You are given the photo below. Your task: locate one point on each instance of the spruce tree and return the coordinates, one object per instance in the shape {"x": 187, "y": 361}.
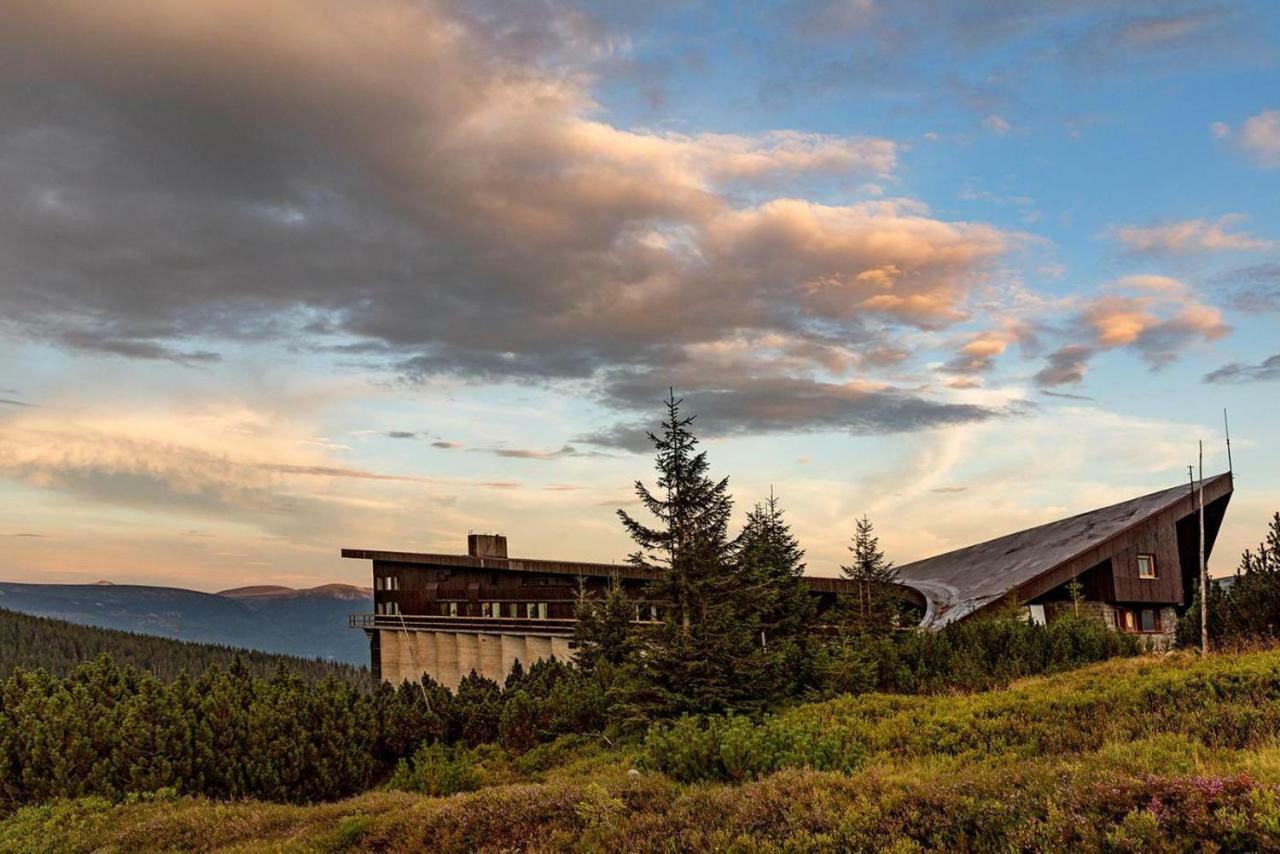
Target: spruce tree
{"x": 771, "y": 565}
{"x": 873, "y": 607}
{"x": 603, "y": 630}
{"x": 697, "y": 657}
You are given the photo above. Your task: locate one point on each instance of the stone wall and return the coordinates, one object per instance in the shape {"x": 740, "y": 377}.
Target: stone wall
{"x": 1092, "y": 610}
{"x": 447, "y": 657}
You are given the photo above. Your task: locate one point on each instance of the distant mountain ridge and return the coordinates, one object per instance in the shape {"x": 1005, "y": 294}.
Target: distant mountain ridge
{"x": 60, "y": 647}
{"x": 311, "y": 622}
{"x": 336, "y": 591}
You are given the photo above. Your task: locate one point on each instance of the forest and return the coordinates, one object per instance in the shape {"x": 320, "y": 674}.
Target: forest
{"x": 58, "y": 647}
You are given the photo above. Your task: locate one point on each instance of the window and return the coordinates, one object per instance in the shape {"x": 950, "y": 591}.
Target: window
{"x": 542, "y": 610}
{"x": 1146, "y": 566}
{"x": 377, "y": 582}
{"x": 1126, "y": 619}
{"x": 486, "y": 609}
{"x": 453, "y": 609}
{"x": 1150, "y": 622}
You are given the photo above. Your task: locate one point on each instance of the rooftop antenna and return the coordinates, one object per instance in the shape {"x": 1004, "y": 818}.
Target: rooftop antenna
{"x": 1204, "y": 567}
{"x": 1226, "y": 426}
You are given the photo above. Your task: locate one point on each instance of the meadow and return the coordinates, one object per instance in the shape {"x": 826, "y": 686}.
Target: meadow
{"x": 1168, "y": 753}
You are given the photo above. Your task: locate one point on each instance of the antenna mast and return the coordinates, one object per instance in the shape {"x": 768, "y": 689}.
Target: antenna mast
{"x": 1204, "y": 568}
{"x": 1226, "y": 426}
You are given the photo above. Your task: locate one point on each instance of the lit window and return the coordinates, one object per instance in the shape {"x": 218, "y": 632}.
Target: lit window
{"x": 1146, "y": 566}
{"x": 377, "y": 583}
{"x": 1127, "y": 620}
{"x": 542, "y": 610}
{"x": 453, "y": 609}
{"x": 1149, "y": 622}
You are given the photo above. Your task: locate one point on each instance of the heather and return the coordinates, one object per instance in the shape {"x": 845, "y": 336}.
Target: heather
{"x": 1139, "y": 754}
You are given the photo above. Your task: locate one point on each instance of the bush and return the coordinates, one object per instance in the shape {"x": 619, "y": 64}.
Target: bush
{"x": 1227, "y": 703}
{"x": 973, "y": 655}
{"x": 436, "y": 770}
{"x": 734, "y": 749}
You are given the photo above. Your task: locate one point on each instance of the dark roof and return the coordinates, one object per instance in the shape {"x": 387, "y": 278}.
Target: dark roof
{"x": 817, "y": 584}
{"x": 958, "y": 583}
{"x": 511, "y": 564}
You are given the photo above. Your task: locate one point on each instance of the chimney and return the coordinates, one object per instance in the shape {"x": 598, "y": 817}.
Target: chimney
{"x": 486, "y": 545}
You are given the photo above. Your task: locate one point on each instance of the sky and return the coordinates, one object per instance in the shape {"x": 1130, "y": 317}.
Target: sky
{"x": 279, "y": 277}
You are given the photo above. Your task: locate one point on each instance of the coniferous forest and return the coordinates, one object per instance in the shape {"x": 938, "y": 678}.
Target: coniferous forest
{"x": 58, "y": 646}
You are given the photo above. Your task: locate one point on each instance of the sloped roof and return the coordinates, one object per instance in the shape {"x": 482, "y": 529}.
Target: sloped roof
{"x": 961, "y": 582}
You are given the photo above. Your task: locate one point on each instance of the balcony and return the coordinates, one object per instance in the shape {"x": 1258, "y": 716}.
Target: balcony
{"x": 490, "y": 625}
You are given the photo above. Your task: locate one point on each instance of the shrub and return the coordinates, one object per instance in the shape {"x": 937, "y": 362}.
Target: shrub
{"x": 436, "y": 769}
{"x": 734, "y": 749}
{"x": 517, "y": 729}
{"x": 1232, "y": 703}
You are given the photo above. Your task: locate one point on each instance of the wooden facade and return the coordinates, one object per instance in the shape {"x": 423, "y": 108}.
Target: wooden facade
{"x": 446, "y": 614}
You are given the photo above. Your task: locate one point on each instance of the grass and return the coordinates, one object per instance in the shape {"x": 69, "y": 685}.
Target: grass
{"x": 1153, "y": 754}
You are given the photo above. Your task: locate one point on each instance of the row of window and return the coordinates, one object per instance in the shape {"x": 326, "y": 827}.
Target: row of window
{"x": 644, "y": 611}
{"x": 390, "y": 582}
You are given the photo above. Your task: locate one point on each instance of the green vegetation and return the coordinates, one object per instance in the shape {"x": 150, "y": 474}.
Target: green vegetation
{"x": 115, "y": 731}
{"x": 1248, "y": 611}
{"x": 873, "y": 608}
{"x": 59, "y": 647}
{"x": 1136, "y": 754}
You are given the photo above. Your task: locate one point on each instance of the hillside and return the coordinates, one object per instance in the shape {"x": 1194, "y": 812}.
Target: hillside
{"x": 58, "y": 646}
{"x": 1146, "y": 754}
{"x": 306, "y": 623}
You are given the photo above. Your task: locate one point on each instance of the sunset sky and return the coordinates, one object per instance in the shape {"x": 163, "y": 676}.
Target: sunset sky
{"x": 283, "y": 276}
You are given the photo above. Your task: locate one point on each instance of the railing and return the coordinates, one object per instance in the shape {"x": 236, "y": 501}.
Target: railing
{"x": 498, "y": 625}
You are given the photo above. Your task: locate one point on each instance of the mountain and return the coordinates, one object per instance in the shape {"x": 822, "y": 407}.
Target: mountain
{"x": 59, "y": 647}
{"x": 311, "y": 623}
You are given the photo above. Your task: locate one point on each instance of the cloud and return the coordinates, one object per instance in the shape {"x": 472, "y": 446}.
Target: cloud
{"x": 1253, "y": 289}
{"x": 1065, "y": 395}
{"x": 980, "y": 352}
{"x": 991, "y": 46}
{"x": 1259, "y": 137}
{"x": 1065, "y": 366}
{"x": 743, "y": 403}
{"x": 998, "y": 125}
{"x": 446, "y": 445}
{"x": 231, "y": 464}
{"x": 430, "y": 191}
{"x": 530, "y": 454}
{"x": 335, "y": 471}
{"x": 10, "y": 402}
{"x": 1220, "y": 130}
{"x": 1156, "y": 317}
{"x": 401, "y": 434}
{"x": 1189, "y": 236}
{"x": 1235, "y": 372}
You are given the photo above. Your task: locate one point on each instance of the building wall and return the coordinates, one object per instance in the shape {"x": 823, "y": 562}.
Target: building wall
{"x": 428, "y": 590}
{"x": 1161, "y": 542}
{"x": 1108, "y": 615}
{"x": 448, "y": 657}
